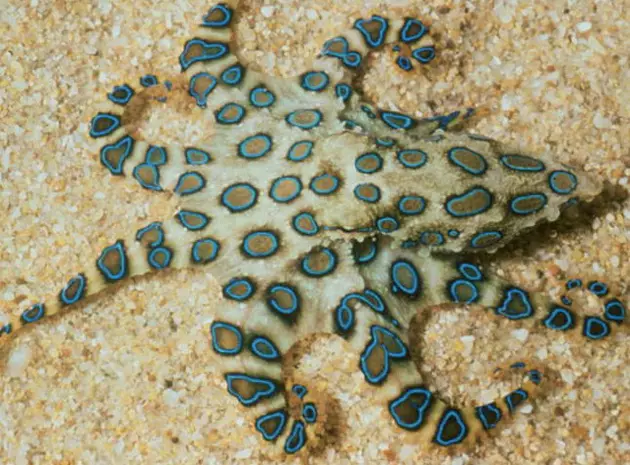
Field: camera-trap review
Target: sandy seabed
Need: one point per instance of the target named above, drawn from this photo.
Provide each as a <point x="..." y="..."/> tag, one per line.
<point x="129" y="378"/>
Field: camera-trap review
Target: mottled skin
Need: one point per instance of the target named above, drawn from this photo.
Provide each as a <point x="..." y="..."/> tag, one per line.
<point x="319" y="213"/>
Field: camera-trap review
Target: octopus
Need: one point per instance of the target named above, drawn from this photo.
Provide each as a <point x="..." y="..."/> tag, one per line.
<point x="319" y="213"/>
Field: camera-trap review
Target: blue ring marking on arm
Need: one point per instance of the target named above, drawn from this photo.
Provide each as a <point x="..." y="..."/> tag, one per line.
<point x="296" y="439"/>
<point x="411" y="290"/>
<point x="376" y="193"/>
<point x="406" y="36"/>
<point x="201" y="183"/>
<point x="309" y="412"/>
<point x="451" y="415"/>
<point x="470" y="271"/>
<point x="367" y="157"/>
<point x="211" y="51"/>
<point x="273" y="238"/>
<point x="432" y="238"/>
<point x="160" y="258"/>
<point x="268" y="388"/>
<point x="112" y="122"/>
<point x="332" y="264"/>
<point x="573" y="283"/>
<point x="249" y="289"/>
<point x="475" y="190"/>
<point x="455" y="294"/>
<point x="225" y="201"/>
<point x="201" y="98"/>
<point x="496" y="235"/>
<point x="33" y="314"/>
<point x="553" y="179"/>
<point x="121" y="95"/>
<point x="598" y="288"/>
<point x="382" y="31"/>
<point x="197" y="156"/>
<point x="291" y="119"/>
<point x="343" y="91"/>
<point x="489" y="415"/>
<point x="614" y="310"/>
<point x="542" y="199"/>
<point x="219" y="23"/>
<point x="314" y="227"/>
<point x="595" y="328"/>
<point x="397" y="120"/>
<point x="279" y="416"/>
<point x="274" y="303"/>
<point x="424" y="54"/>
<point x="452" y="156"/>
<point x="387" y="224"/>
<point x="156" y="156"/>
<point x="297" y="184"/>
<point x="299" y="390"/>
<point x="330" y="190"/>
<point x="80" y="282"/>
<point x="508" y="161"/>
<point x="149" y="80"/>
<point x="265" y="349"/>
<point x="200" y="243"/>
<point x="515" y="398"/>
<point x="421" y="407"/>
<point x="242" y="147"/>
<point x="237" y="118"/>
<point x="155" y="226"/>
<point x="234" y="330"/>
<point x="118" y="248"/>
<point x="308" y="150"/>
<point x="509" y="294"/>
<point x="184" y="217"/>
<point x="233" y="75"/>
<point x="559" y="319"/>
<point x="308" y="77"/>
<point x="403" y="154"/>
<point x="266" y="94"/>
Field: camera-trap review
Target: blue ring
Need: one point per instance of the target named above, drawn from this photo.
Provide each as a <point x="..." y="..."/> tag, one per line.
<point x="425" y="238"/>
<point x="296" y="439"/>
<point x="373" y="199"/>
<point x="292" y="196"/>
<point x="149" y="80"/>
<point x="280" y="415"/>
<point x="454" y="294"/>
<point x="307" y="153"/>
<point x="573" y="283"/>
<point x="215" y="345"/>
<point x="254" y="95"/>
<point x="598" y="288"/>
<point x="332" y="259"/>
<point x="470" y="271"/>
<point x="408" y="38"/>
<point x="239" y="208"/>
<point x="78" y="295"/>
<point x="155" y="226"/>
<point x="367" y="258"/>
<point x="153" y="186"/>
<point x="483" y="414"/>
<point x="299" y="390"/>
<point x="515" y="200"/>
<point x="506" y="160"/>
<point x="343" y="91"/>
<point x="275" y="244"/>
<point x="216" y="50"/>
<point x="514" y="399"/>
<point x="553" y="180"/>
<point x="369" y="40"/>
<point x="420" y="408"/>
<point x="308" y="77"/>
<point x="291" y="119"/>
<point x="114" y="123"/>
<point x="269" y="351"/>
<point x="201" y="98"/>
<point x="274" y="303"/>
<point x="411" y="165"/>
<point x="454" y="233"/>
<point x="592" y="323"/>
<point x="229" y="293"/>
<point x="449" y="415"/>
<point x="233" y="75"/>
<point x="183" y="218"/>
<point x="452" y="156"/>
<point x="404" y="63"/>
<point x="411" y="211"/>
<point x="424" y="54"/>
<point x="220" y="114"/>
<point x="270" y="388"/>
<point x="397" y="120"/>
<point x="155" y="156"/>
<point x="33" y="314"/>
<point x="160" y="265"/>
<point x="508" y="293"/>
<point x="611" y="314"/>
<point x="380" y="224"/>
<point x="329" y="191"/>
<point x="309" y="413"/>
<point x="474" y="242"/>
<point x="311" y="219"/>
<point x="567" y="323"/>
<point x="216" y="246"/>
<point x="242" y="151"/>
<point x="413" y="290"/>
<point x="124" y="99"/>
<point x="191" y="153"/>
<point x="201" y="183"/>
<point x="365" y="157"/>
<point x="119" y="248"/>
<point x="227" y="17"/>
<point x="468" y="193"/>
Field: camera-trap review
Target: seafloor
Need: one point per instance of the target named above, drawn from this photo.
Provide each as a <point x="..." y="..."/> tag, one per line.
<point x="129" y="378"/>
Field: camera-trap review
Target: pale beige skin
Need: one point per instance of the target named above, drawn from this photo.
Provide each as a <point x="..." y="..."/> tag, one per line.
<point x="328" y="255"/>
